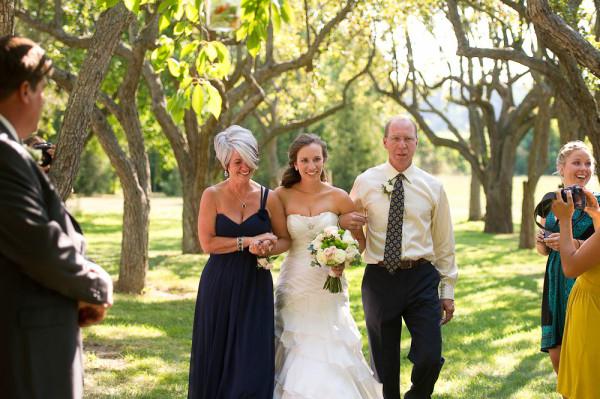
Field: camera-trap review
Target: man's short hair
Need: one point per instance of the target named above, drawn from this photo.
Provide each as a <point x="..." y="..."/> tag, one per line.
<point x="389" y="122"/>
<point x="21" y="60"/>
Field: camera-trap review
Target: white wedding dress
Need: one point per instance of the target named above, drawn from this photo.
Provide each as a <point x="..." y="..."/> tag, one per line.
<point x="318" y="346"/>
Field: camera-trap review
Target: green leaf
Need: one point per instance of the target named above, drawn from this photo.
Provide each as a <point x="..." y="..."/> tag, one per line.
<point x="241" y="33"/>
<point x="191" y="12"/>
<point x="179" y="28"/>
<point x="163" y="23"/>
<point x="201" y="62"/>
<point x="222" y="51"/>
<point x="180" y="10"/>
<point x="186" y="82"/>
<point x="198" y="99"/>
<point x="164" y="5"/>
<point x="211" y="51"/>
<point x="275" y="17"/>
<point x="253" y="44"/>
<point x="213" y="104"/>
<point x="286" y="11"/>
<point x="173" y="67"/>
<point x="189" y="48"/>
<point x="132" y="5"/>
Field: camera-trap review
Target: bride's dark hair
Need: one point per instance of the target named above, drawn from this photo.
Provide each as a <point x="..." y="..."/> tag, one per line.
<point x="291" y="176"/>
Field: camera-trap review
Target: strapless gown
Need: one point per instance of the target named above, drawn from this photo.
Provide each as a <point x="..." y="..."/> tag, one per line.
<point x="318" y="349"/>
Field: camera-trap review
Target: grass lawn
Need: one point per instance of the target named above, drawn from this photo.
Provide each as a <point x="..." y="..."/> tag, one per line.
<point x="491" y="346"/>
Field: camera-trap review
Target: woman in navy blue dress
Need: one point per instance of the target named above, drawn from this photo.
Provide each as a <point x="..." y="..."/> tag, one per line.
<point x="233" y="340"/>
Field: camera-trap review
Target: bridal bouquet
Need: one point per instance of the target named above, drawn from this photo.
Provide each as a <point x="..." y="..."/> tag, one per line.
<point x="333" y="247"/>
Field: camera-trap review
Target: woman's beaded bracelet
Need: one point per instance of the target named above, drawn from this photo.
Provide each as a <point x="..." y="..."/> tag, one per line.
<point x="240" y="244"/>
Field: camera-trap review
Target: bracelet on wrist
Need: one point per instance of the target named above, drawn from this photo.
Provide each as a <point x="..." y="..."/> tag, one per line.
<point x="240" y="243"/>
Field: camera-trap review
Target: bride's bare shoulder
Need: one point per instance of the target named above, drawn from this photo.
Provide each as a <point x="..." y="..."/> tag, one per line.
<point x="339" y="193"/>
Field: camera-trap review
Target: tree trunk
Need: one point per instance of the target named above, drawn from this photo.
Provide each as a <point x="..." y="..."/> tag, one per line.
<point x="136" y="209"/>
<point x="196" y="180"/>
<point x="7" y="17"/>
<point x="538" y="159"/>
<point x="83" y="97"/>
<point x="475" y="199"/>
<point x="569" y="127"/>
<point x="134" y="244"/>
<point x="190" y="243"/>
<point x="527" y="234"/>
<point x="498" y="214"/>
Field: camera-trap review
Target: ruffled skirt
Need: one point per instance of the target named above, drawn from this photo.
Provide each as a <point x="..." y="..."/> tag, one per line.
<point x="318" y="349"/>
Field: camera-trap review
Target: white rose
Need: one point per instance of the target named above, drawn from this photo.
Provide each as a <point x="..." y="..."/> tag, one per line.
<point x="389" y="187"/>
<point x="347" y="238"/>
<point x="331" y="231"/>
<point x="317" y="244"/>
<point x="340" y="256"/>
<point x="321" y="257"/>
<point x="351" y="253"/>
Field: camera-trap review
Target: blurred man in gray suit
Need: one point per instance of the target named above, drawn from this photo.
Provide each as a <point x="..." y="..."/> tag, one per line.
<point x="48" y="290"/>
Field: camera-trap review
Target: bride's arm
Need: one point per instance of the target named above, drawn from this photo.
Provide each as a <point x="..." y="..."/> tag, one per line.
<point x="278" y="223"/>
<point x="346" y="206"/>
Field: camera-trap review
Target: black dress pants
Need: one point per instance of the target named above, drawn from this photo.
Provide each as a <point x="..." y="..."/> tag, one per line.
<point x="411" y="294"/>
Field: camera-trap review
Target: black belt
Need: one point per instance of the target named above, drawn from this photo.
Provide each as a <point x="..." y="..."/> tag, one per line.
<point x="408" y="263"/>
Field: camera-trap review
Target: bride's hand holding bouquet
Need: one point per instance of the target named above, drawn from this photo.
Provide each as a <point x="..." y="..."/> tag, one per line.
<point x="334" y="248"/>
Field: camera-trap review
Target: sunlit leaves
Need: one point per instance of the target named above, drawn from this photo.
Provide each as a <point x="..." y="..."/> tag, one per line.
<point x="198" y="99"/>
<point x="173" y="67"/>
<point x="105" y="4"/>
<point x="132" y="5"/>
<point x="213" y="103"/>
<point x="183" y="51"/>
<point x="255" y="20"/>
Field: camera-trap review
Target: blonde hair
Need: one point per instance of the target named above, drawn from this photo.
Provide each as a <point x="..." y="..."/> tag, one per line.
<point x="568" y="149"/>
<point x="236" y="138"/>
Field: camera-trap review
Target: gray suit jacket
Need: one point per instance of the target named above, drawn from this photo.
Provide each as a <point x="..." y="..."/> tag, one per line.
<point x="43" y="275"/>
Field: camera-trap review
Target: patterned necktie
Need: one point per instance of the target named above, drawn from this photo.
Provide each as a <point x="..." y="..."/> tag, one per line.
<point x="393" y="239"/>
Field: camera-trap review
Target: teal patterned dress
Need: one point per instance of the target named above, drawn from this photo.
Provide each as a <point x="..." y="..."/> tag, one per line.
<point x="556" y="286"/>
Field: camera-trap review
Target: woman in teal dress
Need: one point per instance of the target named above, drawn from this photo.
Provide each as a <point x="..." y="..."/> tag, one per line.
<point x="575" y="165"/>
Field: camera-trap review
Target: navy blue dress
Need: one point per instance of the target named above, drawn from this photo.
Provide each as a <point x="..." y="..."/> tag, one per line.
<point x="233" y="339"/>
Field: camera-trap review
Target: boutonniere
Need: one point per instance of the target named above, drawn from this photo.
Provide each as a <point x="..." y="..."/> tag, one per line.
<point x="388" y="186"/>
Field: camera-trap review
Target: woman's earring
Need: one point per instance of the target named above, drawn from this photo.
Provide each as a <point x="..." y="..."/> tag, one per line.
<point x="226" y="174"/>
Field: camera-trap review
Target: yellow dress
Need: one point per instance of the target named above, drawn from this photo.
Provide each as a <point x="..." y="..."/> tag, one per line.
<point x="579" y="371"/>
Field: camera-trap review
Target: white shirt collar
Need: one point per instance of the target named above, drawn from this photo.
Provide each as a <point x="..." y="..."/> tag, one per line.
<point x="10" y="128"/>
<point x="392" y="172"/>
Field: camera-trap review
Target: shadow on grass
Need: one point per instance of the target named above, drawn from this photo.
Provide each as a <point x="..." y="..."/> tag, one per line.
<point x="182" y="266"/>
<point x="153" y="344"/>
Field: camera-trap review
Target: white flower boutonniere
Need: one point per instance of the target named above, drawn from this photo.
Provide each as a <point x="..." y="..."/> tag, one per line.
<point x="388" y="186"/>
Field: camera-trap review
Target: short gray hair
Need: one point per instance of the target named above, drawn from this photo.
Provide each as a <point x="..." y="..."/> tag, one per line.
<point x="236" y="138"/>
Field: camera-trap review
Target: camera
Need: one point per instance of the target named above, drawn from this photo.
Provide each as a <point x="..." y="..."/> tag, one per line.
<point x="543" y="208"/>
<point x="44" y="147"/>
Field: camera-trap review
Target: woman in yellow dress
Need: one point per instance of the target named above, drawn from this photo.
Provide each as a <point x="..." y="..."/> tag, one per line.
<point x="580" y="355"/>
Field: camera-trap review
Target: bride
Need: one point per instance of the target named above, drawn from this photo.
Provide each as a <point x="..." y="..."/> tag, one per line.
<point x="318" y="346"/>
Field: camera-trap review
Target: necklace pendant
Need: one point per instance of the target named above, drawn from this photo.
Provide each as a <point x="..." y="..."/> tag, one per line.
<point x="243" y="205"/>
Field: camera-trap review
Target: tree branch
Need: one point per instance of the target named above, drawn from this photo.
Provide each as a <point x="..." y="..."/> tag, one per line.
<point x="560" y="36"/>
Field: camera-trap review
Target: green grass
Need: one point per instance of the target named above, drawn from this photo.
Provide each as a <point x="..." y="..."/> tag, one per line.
<point x="491" y="347"/>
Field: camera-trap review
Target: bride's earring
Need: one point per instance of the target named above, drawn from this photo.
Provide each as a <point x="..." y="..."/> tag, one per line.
<point x="226" y="173"/>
